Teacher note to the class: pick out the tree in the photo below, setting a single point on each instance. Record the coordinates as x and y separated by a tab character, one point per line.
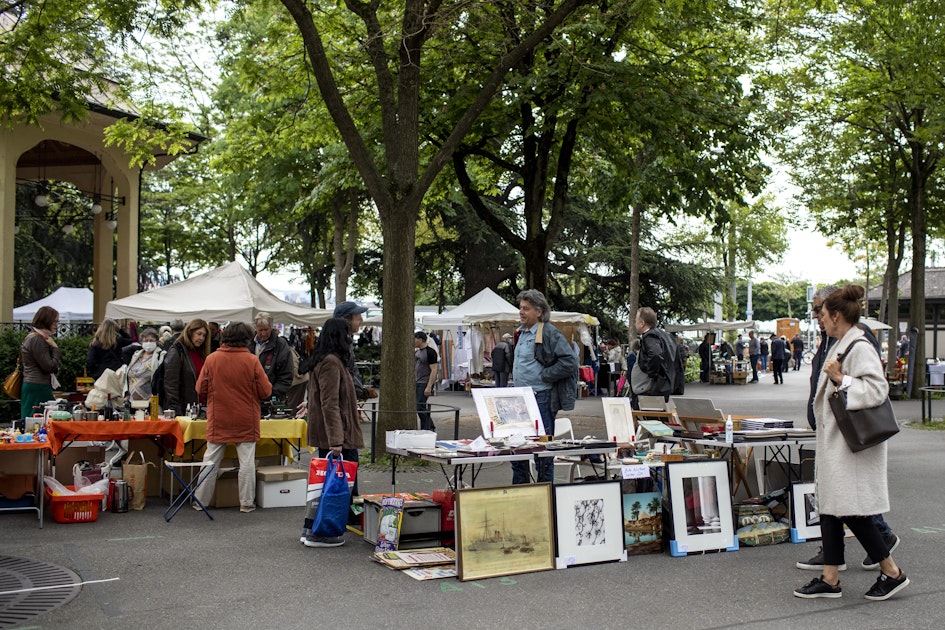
397	174
876	67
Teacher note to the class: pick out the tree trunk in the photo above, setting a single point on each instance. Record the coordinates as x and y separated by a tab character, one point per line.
635	221
918	178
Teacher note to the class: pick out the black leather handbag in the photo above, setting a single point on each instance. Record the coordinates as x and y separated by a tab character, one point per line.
863	428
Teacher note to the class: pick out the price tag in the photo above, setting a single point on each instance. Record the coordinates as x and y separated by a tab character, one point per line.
638	471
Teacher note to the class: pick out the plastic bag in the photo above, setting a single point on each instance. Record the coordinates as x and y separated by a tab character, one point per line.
331	515
57	488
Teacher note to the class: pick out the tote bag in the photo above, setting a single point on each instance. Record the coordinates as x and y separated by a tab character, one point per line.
331	515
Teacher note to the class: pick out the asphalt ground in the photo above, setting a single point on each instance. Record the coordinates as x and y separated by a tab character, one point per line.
250	571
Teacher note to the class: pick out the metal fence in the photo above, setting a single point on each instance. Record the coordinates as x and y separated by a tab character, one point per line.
64	329
371	410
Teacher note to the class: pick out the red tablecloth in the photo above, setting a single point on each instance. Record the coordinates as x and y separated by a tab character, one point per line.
24	446
65	431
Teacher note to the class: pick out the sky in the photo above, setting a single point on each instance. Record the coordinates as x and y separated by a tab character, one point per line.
809	258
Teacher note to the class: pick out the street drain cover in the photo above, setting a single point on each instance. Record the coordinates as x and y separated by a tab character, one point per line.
25	591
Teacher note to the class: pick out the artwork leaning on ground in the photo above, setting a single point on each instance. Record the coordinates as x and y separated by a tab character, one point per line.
504	531
589	523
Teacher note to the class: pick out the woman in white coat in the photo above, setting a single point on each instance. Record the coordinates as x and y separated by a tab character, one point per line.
851	487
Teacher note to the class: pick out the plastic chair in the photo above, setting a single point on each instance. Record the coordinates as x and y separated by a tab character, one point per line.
188	488
563	428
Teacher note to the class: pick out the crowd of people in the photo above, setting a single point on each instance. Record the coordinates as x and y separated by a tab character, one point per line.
778	352
252	364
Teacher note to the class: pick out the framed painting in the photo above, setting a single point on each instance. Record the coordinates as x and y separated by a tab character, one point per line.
701	508
589	523
505	411
618	417
804	511
642	521
504	531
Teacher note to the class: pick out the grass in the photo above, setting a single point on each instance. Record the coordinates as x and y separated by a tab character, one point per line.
937	424
383	461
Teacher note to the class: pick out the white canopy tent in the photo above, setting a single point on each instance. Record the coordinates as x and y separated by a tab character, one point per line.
227	293
711	326
486	301
73	305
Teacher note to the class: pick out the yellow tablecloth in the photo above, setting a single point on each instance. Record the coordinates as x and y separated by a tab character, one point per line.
286	437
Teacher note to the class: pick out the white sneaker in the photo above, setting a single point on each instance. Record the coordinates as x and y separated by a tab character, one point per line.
247	508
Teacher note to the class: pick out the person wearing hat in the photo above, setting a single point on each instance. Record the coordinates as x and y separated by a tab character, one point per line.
352	313
502	361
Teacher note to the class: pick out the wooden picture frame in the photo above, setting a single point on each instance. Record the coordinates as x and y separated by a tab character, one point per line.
804	516
701	507
506	411
619	420
589	523
504	531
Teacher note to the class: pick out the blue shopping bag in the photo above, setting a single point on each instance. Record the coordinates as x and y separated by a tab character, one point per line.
331	515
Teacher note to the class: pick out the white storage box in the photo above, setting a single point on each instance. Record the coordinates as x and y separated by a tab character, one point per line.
421	521
280	486
411	439
937	374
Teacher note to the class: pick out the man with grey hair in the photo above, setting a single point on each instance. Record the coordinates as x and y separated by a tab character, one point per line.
274	354
544	361
817	363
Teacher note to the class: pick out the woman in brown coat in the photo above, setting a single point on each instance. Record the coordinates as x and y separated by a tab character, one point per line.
182	365
233	382
333	417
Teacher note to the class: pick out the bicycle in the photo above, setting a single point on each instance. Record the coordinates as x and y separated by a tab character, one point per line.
808	357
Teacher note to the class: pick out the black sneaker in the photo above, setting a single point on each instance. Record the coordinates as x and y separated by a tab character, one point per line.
817	563
818	588
892	541
886	587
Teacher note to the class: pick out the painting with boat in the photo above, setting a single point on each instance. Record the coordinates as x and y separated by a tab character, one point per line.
504	531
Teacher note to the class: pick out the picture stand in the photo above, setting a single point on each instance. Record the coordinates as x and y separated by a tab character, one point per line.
699	515
507	411
805	519
589	524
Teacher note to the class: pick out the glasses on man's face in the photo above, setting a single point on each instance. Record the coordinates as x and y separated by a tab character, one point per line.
815	311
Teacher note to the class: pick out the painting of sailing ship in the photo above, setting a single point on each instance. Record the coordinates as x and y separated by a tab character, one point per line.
503	531
643	523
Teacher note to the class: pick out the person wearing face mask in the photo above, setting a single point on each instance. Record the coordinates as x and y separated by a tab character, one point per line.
142	367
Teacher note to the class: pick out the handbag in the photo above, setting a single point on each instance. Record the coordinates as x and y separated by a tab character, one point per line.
331	515
862	428
640	382
136	475
13	383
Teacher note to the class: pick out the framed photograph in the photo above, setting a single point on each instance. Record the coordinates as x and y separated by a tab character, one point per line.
505	411
804	511
504	531
618	416
589	523
642	522
701	507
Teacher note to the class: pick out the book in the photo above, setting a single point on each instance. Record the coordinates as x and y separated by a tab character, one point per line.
388	527
414	558
433	573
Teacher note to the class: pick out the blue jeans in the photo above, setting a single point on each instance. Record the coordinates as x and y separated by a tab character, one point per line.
545	465
882	526
423	410
764	363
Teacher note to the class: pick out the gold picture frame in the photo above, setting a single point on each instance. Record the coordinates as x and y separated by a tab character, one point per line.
504	531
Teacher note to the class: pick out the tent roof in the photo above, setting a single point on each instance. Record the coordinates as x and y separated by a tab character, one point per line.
227	293
557	317
486	301
72	304
710	326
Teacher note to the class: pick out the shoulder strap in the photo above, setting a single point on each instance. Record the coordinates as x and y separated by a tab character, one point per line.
840	357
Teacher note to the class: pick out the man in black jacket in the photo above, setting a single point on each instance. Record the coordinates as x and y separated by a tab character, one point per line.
274	354
657	359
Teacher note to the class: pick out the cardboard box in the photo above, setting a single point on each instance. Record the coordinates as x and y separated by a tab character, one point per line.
421	521
411	439
273	494
280	473
227	491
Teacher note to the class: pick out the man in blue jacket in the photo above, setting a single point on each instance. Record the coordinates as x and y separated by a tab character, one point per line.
544	361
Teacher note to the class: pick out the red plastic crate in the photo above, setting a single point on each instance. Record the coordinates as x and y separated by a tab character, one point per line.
82	508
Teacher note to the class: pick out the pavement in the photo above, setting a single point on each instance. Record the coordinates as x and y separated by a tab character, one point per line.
250	571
